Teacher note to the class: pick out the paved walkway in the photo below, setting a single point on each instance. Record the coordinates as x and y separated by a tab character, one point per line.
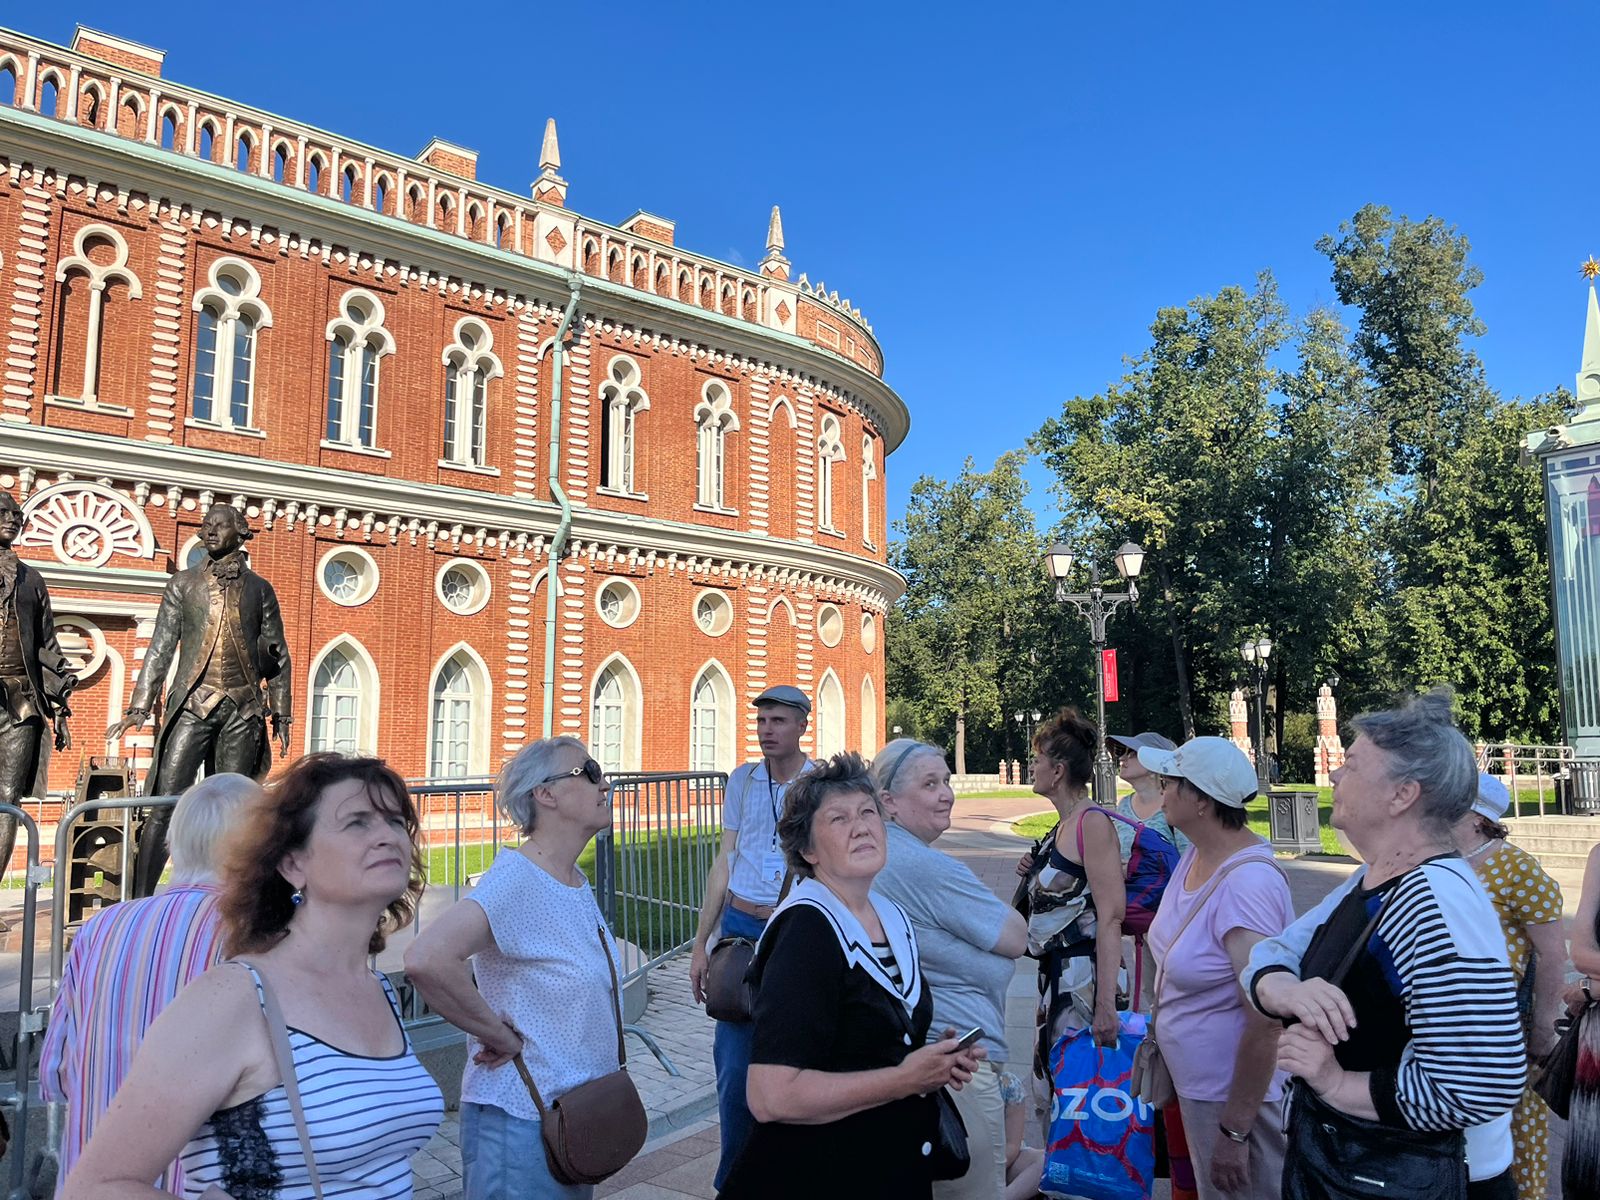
680	1158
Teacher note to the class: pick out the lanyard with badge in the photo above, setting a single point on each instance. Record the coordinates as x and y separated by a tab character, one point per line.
773	864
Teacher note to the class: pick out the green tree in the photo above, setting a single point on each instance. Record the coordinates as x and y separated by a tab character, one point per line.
969	551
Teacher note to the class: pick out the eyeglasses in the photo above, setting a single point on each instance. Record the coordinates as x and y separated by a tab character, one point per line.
1164	780
591	770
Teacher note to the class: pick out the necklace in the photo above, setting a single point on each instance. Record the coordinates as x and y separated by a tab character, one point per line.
1481	849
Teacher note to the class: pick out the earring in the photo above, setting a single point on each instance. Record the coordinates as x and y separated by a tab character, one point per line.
297	897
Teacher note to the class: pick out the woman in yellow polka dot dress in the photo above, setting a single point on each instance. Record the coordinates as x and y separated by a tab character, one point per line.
1529	904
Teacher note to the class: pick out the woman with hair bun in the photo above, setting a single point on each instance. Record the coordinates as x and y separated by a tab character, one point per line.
1076	899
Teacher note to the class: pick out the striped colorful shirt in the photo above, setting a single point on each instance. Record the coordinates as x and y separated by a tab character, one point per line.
127	963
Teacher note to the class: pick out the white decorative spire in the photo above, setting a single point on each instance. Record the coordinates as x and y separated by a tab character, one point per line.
550	187
775	265
1589	370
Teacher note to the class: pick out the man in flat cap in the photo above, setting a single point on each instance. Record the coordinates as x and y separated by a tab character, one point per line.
222	622
743	887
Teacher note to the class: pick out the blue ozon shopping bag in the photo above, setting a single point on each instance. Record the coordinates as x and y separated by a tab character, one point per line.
1102	1137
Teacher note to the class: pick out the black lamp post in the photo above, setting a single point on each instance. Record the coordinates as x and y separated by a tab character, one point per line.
1095	606
1255	654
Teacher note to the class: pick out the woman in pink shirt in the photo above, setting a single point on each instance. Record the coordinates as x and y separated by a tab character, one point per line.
1227	894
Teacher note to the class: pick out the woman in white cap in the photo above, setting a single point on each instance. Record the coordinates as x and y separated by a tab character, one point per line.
1143	803
1528	903
1227	894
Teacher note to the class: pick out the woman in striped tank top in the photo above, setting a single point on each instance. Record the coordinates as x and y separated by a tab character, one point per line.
324	867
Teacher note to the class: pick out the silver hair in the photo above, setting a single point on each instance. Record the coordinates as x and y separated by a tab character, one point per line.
890	763
201	821
1422	743
529	767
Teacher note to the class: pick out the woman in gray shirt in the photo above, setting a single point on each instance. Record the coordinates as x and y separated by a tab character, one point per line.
968	941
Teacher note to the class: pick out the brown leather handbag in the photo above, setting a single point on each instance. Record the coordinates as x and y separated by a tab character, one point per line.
728	996
594	1130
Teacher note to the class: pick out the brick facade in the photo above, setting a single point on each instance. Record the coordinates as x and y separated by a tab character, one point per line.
122	253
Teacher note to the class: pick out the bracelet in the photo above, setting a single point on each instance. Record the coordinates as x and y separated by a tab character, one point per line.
1587	994
1239	1138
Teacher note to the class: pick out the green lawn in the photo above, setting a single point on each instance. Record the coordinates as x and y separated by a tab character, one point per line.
1039	824
658	884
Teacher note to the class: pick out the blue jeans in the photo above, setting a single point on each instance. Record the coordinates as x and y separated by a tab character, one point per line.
502	1158
731	1054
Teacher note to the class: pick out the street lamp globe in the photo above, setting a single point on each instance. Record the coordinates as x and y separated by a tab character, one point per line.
1248	651
1034	715
1263	648
1130	560
1059	560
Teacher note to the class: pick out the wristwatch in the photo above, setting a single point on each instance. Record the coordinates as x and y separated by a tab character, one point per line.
1240	1138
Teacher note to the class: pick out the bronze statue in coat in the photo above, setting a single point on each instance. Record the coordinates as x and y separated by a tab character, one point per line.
221	619
35	680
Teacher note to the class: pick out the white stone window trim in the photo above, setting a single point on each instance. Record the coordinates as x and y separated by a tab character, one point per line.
354	448
830	450
480	580
100	276
869	632
631	722
720	512
214	427
828	725
825	611
625	618
229	308
869	472
367	573
622	398
642	497
369	685
446	464
482	685
94	406
714	419
360	334
725	611
721	681
477	364
189	546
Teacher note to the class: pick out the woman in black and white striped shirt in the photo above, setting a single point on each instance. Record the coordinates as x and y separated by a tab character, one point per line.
1423	1034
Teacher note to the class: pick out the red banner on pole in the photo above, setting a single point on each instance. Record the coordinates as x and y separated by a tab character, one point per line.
1108	663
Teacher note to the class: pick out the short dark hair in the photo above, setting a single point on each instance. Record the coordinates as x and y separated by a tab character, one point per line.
842	775
255	902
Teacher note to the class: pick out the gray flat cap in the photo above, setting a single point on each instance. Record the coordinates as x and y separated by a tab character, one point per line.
785	694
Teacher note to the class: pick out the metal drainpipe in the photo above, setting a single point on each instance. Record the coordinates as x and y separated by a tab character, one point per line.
558	544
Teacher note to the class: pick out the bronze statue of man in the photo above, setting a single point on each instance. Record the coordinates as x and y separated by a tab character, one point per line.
35	680
222	620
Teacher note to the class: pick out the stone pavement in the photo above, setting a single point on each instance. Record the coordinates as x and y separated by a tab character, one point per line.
680	1158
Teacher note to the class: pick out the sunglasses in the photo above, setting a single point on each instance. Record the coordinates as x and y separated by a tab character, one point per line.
591	770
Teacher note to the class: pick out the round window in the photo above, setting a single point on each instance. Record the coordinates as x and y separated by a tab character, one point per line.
194	554
869	632
618	603
713	613
347	576
462	586
830	625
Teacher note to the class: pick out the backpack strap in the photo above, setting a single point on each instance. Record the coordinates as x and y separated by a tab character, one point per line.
1115	816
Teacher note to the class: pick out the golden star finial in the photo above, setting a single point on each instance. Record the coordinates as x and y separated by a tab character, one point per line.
1590	268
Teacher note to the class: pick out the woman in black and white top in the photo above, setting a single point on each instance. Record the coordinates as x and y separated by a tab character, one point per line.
840	1082
1424	1033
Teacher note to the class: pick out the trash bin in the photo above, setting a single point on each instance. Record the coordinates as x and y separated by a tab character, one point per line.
1292	822
1582	787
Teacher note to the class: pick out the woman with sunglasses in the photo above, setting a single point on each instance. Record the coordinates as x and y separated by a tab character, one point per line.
524	964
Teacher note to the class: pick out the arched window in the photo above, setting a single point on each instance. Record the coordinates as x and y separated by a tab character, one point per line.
830	716
474	229
830	449
50	97
641	272
347	185
414	203
713	418
344	701
456	745
869	717
869	472
469	364
444	214
208	142
614	265
747	307
169	132
711	723
591	257
94	275
280	163
685	286
129	114
356	341
621	400
727	300
244	160
708	294
90	100
8	85
231	311
614	717
502	225
380	194
663	280
314	166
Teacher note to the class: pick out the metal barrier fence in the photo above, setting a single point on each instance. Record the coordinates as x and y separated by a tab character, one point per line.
30	1021
1544	773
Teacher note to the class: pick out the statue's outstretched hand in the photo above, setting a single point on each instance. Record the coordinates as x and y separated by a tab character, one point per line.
280	730
63	734
134	718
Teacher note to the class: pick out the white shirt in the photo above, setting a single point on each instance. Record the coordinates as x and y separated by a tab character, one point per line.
547	973
751	808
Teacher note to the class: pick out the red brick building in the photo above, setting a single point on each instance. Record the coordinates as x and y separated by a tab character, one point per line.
206	302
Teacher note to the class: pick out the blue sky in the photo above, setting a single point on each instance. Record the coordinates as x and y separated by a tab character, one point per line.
1008	192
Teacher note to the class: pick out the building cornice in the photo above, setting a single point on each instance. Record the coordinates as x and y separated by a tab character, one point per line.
368	506
193	186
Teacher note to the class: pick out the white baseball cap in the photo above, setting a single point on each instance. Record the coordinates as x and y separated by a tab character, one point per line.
1214	765
1492	799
